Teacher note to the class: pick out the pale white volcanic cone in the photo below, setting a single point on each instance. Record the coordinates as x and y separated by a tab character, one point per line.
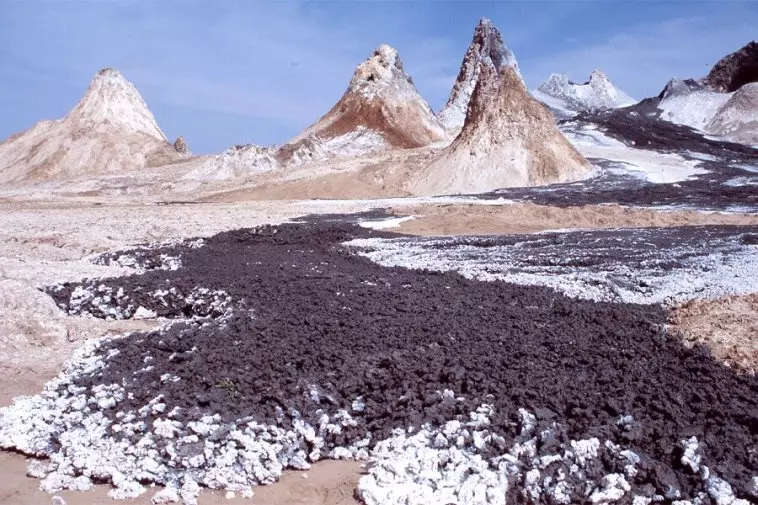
737	119
110	130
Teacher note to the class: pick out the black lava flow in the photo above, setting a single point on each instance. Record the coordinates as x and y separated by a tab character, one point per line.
640	128
308	312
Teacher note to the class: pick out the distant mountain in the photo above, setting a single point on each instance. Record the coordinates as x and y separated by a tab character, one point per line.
486	48
508	139
566	98
723	103
110	130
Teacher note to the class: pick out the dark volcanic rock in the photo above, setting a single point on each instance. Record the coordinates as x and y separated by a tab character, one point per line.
310	316
735	70
639	127
679	87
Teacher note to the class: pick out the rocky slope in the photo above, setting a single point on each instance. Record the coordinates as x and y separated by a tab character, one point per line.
487	48
237	162
241	161
508	140
687	102
737	119
110	130
723	103
733	116
566	98
380	109
734	70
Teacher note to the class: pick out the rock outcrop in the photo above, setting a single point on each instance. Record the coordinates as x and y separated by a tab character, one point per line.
180	146
734	70
737	119
508	139
241	161
567	98
110	130
237	162
723	103
486	48
689	103
380	109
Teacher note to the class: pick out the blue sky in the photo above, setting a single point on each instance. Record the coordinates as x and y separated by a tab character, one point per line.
225	72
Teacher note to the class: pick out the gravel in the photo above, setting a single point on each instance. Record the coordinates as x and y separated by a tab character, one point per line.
511	392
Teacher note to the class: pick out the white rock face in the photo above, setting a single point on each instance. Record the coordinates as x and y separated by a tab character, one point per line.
567	97
110	130
111	98
508	140
235	162
687	103
487	48
737	119
380	109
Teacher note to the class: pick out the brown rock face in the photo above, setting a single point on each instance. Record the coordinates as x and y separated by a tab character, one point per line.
380	109
181	146
508	140
486	48
735	70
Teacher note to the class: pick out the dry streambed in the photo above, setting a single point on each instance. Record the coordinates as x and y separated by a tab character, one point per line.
289	348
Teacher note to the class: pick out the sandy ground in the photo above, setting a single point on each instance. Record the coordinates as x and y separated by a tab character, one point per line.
375	177
528	218
43	243
328	483
728	326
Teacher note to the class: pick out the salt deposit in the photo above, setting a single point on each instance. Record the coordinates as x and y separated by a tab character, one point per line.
555	259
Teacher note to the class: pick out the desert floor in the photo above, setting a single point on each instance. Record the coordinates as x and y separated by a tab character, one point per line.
47	243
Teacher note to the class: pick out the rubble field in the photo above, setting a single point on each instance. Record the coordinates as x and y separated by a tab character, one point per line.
287	347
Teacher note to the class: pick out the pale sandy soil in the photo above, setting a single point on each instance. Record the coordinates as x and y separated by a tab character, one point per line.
42	243
728	326
466	219
377	177
327	483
